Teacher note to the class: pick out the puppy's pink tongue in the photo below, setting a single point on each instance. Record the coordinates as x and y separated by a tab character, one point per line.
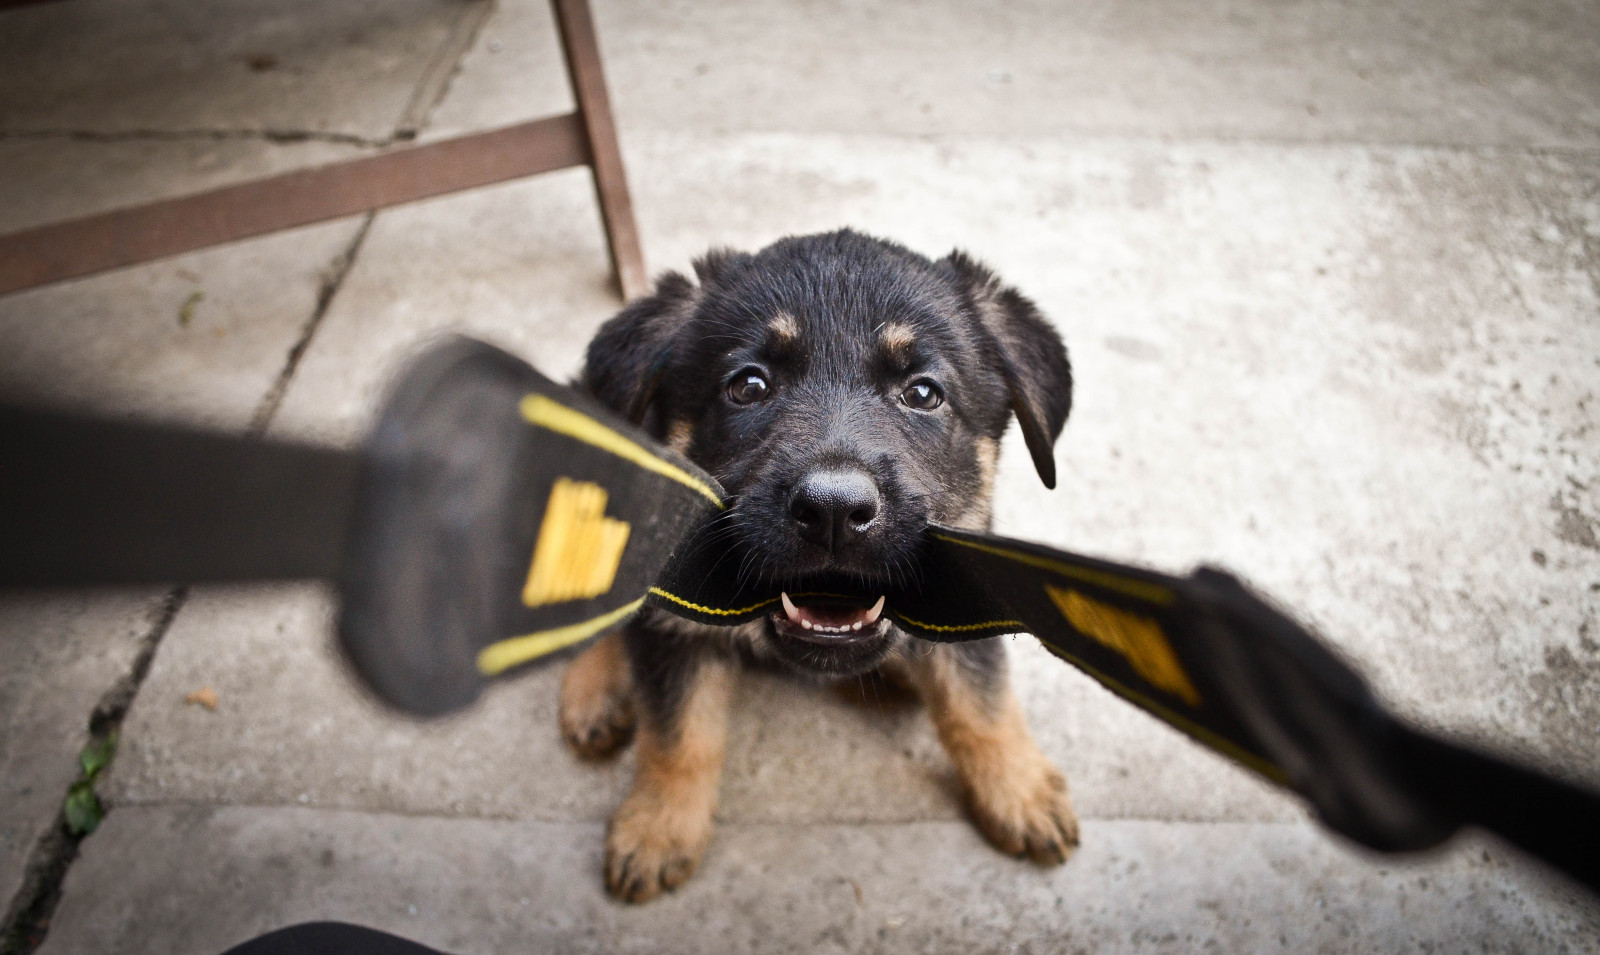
832	620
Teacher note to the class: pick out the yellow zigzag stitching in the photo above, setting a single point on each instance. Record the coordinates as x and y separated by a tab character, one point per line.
711	610
962	627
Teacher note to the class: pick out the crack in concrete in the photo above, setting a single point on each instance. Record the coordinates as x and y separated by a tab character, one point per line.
442	69
332	280
27	919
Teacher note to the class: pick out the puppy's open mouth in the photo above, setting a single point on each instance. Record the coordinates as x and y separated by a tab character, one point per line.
828	619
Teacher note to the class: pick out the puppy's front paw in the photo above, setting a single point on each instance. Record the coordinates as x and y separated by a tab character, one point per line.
597	701
596	727
1025	810
653	845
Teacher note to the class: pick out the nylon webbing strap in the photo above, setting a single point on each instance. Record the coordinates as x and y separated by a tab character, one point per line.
503	518
494	518
119	501
1127	628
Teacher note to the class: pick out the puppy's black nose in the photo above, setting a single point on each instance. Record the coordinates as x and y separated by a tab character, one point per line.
832	508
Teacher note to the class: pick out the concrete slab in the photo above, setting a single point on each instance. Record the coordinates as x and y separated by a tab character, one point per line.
523	265
514	71
1321	368
154	67
62	653
1523	73
291	729
1362	378
200	337
195	880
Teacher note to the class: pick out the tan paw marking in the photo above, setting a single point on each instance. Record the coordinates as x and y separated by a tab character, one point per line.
657	836
1025	811
1015	794
653	847
596	700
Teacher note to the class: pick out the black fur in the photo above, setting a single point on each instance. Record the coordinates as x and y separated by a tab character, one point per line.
1031	355
834	406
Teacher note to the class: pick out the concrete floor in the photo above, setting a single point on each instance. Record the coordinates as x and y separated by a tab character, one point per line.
1330	274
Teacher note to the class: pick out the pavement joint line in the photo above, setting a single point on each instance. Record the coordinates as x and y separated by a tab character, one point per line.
442	70
275	136
1088	137
332	280
27	917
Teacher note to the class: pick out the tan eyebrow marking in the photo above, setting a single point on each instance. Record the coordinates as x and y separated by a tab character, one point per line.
897	339
784	328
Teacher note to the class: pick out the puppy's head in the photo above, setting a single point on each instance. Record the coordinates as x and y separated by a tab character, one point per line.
845	391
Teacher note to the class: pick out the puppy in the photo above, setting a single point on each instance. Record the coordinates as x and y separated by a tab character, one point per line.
845	391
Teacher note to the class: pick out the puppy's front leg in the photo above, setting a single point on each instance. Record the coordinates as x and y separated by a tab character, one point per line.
658	834
1016	796
597	699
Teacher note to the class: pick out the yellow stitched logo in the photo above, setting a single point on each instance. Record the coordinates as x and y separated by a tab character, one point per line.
579	547
1138	639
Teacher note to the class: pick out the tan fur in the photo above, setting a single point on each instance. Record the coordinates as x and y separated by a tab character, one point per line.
657	836
988	450
1016	796
978	514
897	339
597	699
784	328
680	434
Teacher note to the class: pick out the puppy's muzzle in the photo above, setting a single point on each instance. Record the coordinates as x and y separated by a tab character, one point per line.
834	508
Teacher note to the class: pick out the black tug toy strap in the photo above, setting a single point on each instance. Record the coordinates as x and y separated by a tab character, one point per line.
1129	629
503	518
495	518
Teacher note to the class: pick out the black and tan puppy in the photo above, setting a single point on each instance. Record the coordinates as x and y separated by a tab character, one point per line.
845	391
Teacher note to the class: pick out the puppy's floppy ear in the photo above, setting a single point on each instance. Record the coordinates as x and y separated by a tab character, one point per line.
627	357
1032	357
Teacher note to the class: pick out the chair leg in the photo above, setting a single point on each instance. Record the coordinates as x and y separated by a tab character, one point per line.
589	87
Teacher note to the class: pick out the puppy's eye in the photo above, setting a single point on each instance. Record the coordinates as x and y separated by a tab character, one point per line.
922	395
748	387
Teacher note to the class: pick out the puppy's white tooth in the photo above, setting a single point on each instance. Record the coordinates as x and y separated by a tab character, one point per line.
856	625
788	605
806	624
875	612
